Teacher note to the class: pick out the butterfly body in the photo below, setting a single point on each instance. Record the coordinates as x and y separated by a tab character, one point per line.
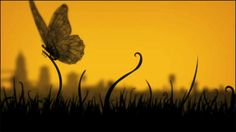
52	51
57	38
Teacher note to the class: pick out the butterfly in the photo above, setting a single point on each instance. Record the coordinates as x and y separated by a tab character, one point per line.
57	38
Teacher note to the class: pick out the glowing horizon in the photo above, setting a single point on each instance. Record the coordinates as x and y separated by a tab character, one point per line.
170	36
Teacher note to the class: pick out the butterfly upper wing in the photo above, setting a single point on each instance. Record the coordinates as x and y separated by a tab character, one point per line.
59	26
42	27
71	49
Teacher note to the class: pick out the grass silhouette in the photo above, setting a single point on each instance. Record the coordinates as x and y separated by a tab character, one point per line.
128	111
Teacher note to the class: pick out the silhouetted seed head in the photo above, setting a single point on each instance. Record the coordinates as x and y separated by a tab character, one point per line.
172	77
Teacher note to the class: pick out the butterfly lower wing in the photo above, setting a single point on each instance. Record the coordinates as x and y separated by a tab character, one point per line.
59	26
71	49
42	27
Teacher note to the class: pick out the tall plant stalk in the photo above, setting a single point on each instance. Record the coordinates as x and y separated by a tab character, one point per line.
58	73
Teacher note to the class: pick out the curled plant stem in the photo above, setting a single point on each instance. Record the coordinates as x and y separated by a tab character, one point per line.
59	75
232	95
108	94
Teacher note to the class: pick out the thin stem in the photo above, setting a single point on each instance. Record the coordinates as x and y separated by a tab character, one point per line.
172	93
150	91
191	87
79	87
108	94
59	75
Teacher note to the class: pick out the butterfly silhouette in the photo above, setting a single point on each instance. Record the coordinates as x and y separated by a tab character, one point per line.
56	36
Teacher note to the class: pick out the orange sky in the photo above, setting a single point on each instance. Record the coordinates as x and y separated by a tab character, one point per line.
170	36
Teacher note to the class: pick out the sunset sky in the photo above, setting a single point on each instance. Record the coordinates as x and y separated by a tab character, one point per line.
170	36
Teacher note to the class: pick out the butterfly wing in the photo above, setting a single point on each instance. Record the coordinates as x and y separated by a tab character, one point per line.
59	26
42	27
71	49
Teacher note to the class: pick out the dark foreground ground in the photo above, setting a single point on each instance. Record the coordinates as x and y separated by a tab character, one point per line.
165	121
133	113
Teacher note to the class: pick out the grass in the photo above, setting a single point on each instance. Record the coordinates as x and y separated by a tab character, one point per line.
127	111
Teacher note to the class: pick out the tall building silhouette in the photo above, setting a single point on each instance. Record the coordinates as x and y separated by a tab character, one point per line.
71	85
20	73
44	81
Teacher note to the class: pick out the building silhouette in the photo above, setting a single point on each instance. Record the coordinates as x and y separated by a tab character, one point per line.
71	86
44	81
20	74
